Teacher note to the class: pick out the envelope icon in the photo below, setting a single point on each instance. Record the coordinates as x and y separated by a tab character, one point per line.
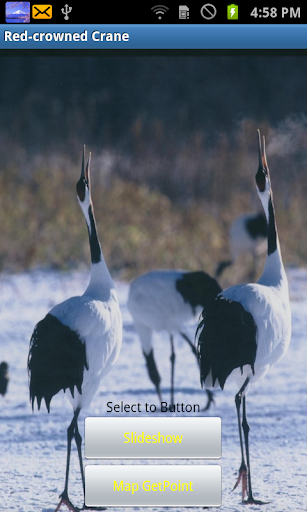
41	12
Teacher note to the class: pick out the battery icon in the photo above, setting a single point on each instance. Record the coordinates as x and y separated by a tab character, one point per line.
232	12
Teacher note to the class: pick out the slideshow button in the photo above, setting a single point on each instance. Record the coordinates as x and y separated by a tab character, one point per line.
145	438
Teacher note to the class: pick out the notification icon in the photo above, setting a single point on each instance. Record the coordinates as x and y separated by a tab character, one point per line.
42	12
17	12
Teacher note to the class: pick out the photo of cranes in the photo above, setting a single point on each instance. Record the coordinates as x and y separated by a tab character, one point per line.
153	250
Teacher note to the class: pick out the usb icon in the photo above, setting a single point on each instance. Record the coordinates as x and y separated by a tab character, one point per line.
232	12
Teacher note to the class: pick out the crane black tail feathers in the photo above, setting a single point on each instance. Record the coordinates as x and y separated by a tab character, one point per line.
227	339
56	361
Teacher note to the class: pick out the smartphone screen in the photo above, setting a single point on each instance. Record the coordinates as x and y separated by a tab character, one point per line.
153	256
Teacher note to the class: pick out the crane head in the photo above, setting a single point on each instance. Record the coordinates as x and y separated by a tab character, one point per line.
263	175
83	185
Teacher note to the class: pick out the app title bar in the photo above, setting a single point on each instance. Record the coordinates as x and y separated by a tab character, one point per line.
153	37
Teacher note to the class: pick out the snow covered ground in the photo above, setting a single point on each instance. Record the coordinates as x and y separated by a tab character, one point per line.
33	445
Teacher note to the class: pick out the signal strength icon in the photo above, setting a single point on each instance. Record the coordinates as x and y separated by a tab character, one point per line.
159	10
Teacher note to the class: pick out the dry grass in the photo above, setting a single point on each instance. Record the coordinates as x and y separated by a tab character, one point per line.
139	229
166	210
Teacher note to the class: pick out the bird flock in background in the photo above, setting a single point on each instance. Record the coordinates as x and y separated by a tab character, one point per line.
242	331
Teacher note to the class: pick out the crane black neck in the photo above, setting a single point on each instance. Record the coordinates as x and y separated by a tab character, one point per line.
273	273
272	233
93	237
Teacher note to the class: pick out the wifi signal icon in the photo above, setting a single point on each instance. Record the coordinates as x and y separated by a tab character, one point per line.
159	10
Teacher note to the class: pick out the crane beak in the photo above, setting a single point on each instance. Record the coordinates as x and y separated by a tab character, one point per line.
87	171
82	166
262	172
261	152
264	160
259	148
84	178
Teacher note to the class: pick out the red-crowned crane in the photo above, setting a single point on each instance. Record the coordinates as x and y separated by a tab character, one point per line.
247	235
79	340
167	300
248	327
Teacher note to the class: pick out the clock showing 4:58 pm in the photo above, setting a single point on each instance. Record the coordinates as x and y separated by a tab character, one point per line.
274	12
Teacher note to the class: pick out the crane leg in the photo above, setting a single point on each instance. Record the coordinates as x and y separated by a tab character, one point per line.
250	500
210	400
78	440
243	469
73	432
210	395
64	496
145	335
189	342
172	358
153	372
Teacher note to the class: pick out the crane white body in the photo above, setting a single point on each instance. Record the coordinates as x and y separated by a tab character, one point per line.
97	320
270	309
